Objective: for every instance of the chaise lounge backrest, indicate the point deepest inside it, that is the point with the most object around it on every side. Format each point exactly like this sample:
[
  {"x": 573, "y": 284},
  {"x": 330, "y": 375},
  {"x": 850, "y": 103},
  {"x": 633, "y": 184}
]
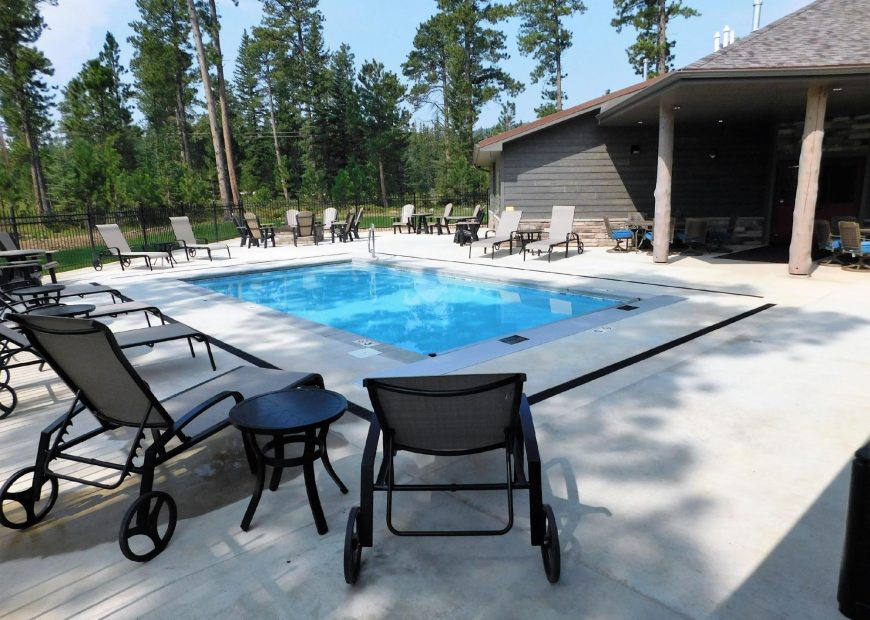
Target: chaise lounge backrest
[
  {"x": 114, "y": 238},
  {"x": 447, "y": 414},
  {"x": 84, "y": 353}
]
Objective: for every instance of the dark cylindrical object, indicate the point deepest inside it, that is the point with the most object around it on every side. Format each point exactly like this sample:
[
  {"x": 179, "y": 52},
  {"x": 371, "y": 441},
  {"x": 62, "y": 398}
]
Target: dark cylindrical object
[{"x": 854, "y": 592}]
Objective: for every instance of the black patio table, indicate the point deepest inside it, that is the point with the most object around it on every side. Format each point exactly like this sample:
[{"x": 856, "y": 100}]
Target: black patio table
[{"x": 300, "y": 415}]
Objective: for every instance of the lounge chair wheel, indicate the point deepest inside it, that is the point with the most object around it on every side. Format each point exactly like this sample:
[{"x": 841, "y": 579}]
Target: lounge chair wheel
[
  {"x": 352, "y": 547},
  {"x": 550, "y": 547},
  {"x": 143, "y": 520},
  {"x": 8, "y": 397},
  {"x": 19, "y": 490},
  {"x": 125, "y": 262},
  {"x": 191, "y": 252}
]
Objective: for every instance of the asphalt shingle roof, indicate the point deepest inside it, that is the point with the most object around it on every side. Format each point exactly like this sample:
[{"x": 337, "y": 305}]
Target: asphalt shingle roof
[{"x": 822, "y": 34}]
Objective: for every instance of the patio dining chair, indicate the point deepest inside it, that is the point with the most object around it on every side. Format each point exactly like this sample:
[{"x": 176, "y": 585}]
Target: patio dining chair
[
  {"x": 110, "y": 389},
  {"x": 404, "y": 219},
  {"x": 189, "y": 243},
  {"x": 443, "y": 221},
  {"x": 307, "y": 227},
  {"x": 854, "y": 245},
  {"x": 827, "y": 242},
  {"x": 694, "y": 236},
  {"x": 329, "y": 215},
  {"x": 257, "y": 233},
  {"x": 450, "y": 416},
  {"x": 561, "y": 233},
  {"x": 356, "y": 222},
  {"x": 504, "y": 233},
  {"x": 343, "y": 230},
  {"x": 620, "y": 235},
  {"x": 118, "y": 246}
]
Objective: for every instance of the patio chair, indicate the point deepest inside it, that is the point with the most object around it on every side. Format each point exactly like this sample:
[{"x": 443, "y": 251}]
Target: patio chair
[
  {"x": 504, "y": 233},
  {"x": 344, "y": 230},
  {"x": 189, "y": 243},
  {"x": 648, "y": 235},
  {"x": 444, "y": 219},
  {"x": 329, "y": 215},
  {"x": 291, "y": 218},
  {"x": 837, "y": 219},
  {"x": 244, "y": 233},
  {"x": 620, "y": 235},
  {"x": 307, "y": 227},
  {"x": 56, "y": 292},
  {"x": 113, "y": 392},
  {"x": 9, "y": 243},
  {"x": 467, "y": 229},
  {"x": 451, "y": 416},
  {"x": 258, "y": 234},
  {"x": 356, "y": 222},
  {"x": 43, "y": 306},
  {"x": 14, "y": 344},
  {"x": 719, "y": 233},
  {"x": 118, "y": 246},
  {"x": 561, "y": 233},
  {"x": 404, "y": 219},
  {"x": 854, "y": 245},
  {"x": 694, "y": 236},
  {"x": 826, "y": 242}
]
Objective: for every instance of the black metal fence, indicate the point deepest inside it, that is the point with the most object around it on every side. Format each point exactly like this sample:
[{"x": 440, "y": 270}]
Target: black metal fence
[{"x": 71, "y": 237}]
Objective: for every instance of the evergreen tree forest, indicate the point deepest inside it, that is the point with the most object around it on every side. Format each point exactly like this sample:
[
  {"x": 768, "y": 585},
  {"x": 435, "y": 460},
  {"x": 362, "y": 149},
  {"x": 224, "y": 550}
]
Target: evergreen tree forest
[{"x": 291, "y": 119}]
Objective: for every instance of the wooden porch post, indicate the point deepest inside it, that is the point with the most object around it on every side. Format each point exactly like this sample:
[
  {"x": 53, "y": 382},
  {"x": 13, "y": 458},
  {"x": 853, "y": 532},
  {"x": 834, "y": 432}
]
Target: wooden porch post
[
  {"x": 662, "y": 229},
  {"x": 800, "y": 251}
]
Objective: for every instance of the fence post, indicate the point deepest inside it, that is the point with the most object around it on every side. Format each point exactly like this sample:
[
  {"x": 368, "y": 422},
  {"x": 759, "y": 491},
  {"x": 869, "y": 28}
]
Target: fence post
[
  {"x": 215, "y": 219},
  {"x": 89, "y": 214},
  {"x": 140, "y": 215},
  {"x": 14, "y": 224}
]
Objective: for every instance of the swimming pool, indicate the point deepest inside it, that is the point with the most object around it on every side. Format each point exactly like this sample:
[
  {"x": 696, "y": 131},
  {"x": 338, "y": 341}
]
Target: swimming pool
[{"x": 424, "y": 312}]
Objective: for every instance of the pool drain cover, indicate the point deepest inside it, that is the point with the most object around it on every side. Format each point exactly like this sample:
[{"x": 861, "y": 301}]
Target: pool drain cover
[{"x": 515, "y": 339}]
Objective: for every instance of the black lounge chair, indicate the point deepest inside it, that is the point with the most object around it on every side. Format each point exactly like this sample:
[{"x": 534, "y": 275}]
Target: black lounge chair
[
  {"x": 14, "y": 344},
  {"x": 110, "y": 388},
  {"x": 43, "y": 306},
  {"x": 451, "y": 415}
]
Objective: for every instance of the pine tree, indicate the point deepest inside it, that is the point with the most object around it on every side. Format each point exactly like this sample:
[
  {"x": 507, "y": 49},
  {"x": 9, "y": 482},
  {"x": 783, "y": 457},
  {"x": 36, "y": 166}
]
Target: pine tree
[
  {"x": 386, "y": 123},
  {"x": 543, "y": 35},
  {"x": 162, "y": 67},
  {"x": 216, "y": 137},
  {"x": 24, "y": 97},
  {"x": 650, "y": 18}
]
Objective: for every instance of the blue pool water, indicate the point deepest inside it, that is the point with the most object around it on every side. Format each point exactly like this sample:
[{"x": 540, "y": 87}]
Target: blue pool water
[{"x": 423, "y": 312}]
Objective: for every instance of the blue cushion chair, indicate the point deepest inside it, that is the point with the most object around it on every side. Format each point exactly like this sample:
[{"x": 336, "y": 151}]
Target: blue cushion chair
[
  {"x": 827, "y": 242},
  {"x": 855, "y": 245},
  {"x": 620, "y": 235}
]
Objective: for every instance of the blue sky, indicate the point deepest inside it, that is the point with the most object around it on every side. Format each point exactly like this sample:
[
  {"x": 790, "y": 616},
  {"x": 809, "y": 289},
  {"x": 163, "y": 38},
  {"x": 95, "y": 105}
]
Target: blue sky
[{"x": 384, "y": 30}]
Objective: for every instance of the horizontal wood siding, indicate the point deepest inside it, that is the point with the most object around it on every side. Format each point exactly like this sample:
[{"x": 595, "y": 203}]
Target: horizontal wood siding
[{"x": 577, "y": 163}]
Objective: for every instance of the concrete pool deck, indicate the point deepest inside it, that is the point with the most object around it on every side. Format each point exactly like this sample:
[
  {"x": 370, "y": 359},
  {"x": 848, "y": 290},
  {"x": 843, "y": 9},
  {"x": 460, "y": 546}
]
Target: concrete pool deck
[{"x": 705, "y": 477}]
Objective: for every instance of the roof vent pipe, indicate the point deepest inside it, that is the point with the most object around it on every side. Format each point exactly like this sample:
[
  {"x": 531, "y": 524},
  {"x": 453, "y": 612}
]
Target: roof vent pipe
[
  {"x": 717, "y": 42},
  {"x": 756, "y": 15},
  {"x": 733, "y": 36},
  {"x": 726, "y": 36}
]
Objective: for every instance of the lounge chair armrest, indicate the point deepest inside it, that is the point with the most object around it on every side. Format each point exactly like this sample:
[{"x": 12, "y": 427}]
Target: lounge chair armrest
[
  {"x": 191, "y": 415},
  {"x": 367, "y": 481},
  {"x": 114, "y": 251},
  {"x": 533, "y": 458}
]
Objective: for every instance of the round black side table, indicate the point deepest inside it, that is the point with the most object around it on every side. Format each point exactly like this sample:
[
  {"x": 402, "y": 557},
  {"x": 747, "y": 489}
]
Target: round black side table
[{"x": 300, "y": 415}]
